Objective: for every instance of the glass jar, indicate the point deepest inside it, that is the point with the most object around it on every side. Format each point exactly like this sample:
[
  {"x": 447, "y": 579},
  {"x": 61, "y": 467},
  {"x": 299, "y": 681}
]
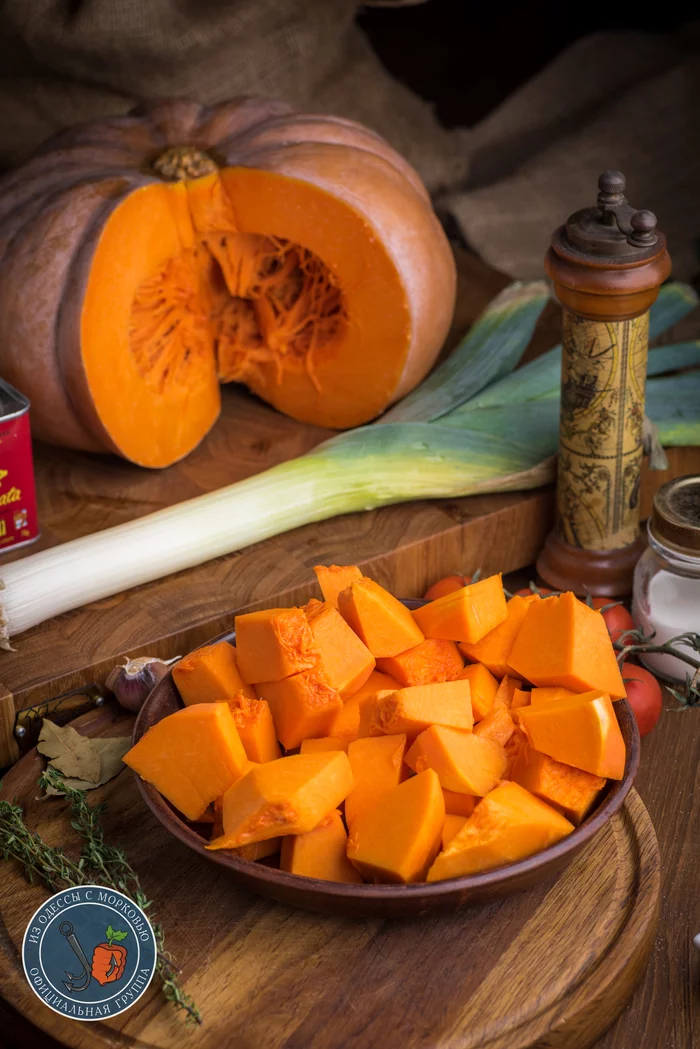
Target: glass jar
[{"x": 666, "y": 597}]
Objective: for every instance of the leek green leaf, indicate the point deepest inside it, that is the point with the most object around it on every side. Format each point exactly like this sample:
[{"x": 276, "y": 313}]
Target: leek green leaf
[
  {"x": 540, "y": 378},
  {"x": 491, "y": 349},
  {"x": 672, "y": 358},
  {"x": 674, "y": 302}
]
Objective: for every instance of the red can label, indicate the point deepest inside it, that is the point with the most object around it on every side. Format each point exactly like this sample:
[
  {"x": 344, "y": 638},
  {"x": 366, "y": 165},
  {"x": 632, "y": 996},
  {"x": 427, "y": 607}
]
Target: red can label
[{"x": 18, "y": 517}]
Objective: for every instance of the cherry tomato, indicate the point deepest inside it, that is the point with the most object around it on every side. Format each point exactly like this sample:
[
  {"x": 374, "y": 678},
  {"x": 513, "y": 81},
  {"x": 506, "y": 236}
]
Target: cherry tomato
[
  {"x": 448, "y": 585},
  {"x": 643, "y": 695},
  {"x": 617, "y": 619},
  {"x": 543, "y": 591}
]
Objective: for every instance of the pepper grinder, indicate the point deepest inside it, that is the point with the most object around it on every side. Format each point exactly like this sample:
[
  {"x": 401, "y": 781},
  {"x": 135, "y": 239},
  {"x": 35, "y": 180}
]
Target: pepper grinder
[{"x": 607, "y": 264}]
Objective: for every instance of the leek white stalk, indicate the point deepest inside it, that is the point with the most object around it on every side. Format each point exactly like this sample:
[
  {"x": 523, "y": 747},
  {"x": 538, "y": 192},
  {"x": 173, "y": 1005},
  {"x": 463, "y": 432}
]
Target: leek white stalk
[{"x": 359, "y": 470}]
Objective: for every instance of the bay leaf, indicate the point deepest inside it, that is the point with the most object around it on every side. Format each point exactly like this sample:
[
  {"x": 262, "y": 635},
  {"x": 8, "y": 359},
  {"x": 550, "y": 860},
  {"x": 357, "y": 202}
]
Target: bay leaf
[
  {"x": 71, "y": 784},
  {"x": 110, "y": 751},
  {"x": 70, "y": 753}
]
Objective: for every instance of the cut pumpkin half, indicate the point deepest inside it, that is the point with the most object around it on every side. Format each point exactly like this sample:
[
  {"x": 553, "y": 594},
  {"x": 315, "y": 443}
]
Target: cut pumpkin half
[{"x": 312, "y": 271}]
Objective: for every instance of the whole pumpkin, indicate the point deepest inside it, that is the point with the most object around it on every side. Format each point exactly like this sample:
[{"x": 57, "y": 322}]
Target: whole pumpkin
[{"x": 146, "y": 258}]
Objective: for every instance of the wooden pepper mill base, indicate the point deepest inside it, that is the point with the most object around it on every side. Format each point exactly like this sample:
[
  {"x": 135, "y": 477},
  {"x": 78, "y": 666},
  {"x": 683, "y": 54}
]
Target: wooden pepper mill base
[{"x": 607, "y": 573}]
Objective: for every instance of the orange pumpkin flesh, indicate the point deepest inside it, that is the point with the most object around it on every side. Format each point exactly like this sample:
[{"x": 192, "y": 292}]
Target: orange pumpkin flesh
[
  {"x": 198, "y": 282},
  {"x": 306, "y": 262},
  {"x": 406, "y": 760}
]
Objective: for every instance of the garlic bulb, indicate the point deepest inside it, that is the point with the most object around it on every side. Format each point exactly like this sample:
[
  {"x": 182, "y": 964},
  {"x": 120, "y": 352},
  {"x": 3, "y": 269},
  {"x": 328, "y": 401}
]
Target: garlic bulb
[{"x": 133, "y": 681}]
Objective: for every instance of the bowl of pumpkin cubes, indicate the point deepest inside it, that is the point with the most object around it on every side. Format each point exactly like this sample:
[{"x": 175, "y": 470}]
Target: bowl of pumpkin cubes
[{"x": 370, "y": 756}]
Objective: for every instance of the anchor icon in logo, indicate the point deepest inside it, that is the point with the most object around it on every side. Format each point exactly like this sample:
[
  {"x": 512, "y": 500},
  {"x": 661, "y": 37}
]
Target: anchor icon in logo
[{"x": 108, "y": 960}]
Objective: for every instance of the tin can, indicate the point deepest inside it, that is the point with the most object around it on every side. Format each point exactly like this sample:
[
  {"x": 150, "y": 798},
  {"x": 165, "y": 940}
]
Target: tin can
[{"x": 18, "y": 517}]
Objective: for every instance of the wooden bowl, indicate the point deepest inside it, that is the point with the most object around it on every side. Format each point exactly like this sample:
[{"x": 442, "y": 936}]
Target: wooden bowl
[{"x": 386, "y": 901}]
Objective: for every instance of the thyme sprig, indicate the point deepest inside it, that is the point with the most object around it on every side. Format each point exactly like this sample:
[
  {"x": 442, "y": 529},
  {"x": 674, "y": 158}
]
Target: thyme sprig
[
  {"x": 41, "y": 862},
  {"x": 98, "y": 860}
]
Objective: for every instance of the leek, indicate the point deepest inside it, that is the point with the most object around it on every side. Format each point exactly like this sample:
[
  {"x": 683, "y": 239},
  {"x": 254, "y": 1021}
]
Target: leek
[
  {"x": 541, "y": 377},
  {"x": 492, "y": 348},
  {"x": 363, "y": 469},
  {"x": 496, "y": 430}
]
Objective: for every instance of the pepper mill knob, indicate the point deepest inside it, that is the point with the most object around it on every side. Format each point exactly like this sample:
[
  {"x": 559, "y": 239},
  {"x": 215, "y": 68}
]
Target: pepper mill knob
[
  {"x": 643, "y": 225},
  {"x": 611, "y": 189}
]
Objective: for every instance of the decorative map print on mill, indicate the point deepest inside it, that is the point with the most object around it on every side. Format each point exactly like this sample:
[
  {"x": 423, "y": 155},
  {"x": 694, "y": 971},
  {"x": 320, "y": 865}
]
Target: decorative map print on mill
[{"x": 601, "y": 428}]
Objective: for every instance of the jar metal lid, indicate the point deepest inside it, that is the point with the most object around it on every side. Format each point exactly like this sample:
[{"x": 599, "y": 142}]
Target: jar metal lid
[{"x": 675, "y": 517}]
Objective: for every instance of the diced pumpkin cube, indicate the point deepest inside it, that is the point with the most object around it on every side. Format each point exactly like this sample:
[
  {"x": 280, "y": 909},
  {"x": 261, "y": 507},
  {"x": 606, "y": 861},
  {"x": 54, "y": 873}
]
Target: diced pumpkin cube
[
  {"x": 581, "y": 731},
  {"x": 288, "y": 796},
  {"x": 520, "y": 699},
  {"x": 378, "y": 618},
  {"x": 303, "y": 706},
  {"x": 346, "y": 661},
  {"x": 498, "y": 726},
  {"x": 467, "y": 614},
  {"x": 317, "y": 746},
  {"x": 506, "y": 826},
  {"x": 494, "y": 648},
  {"x": 253, "y": 719},
  {"x": 207, "y": 816},
  {"x": 320, "y": 853},
  {"x": 273, "y": 644},
  {"x": 370, "y": 724},
  {"x": 397, "y": 839},
  {"x": 259, "y": 850},
  {"x": 570, "y": 791},
  {"x": 483, "y": 688},
  {"x": 376, "y": 683},
  {"x": 506, "y": 691},
  {"x": 451, "y": 826},
  {"x": 463, "y": 762},
  {"x": 377, "y": 765},
  {"x": 432, "y": 660},
  {"x": 346, "y": 722},
  {"x": 412, "y": 710},
  {"x": 512, "y": 748},
  {"x": 538, "y": 696},
  {"x": 334, "y": 578},
  {"x": 191, "y": 756},
  {"x": 210, "y": 675},
  {"x": 564, "y": 642},
  {"x": 457, "y": 804}
]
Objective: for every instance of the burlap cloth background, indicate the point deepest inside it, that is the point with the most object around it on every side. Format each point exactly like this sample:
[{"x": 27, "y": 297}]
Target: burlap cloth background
[{"x": 628, "y": 100}]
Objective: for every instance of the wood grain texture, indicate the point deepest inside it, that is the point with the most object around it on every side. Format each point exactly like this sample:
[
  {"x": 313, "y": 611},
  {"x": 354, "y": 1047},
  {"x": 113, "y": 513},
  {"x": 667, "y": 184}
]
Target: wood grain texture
[
  {"x": 9, "y": 751},
  {"x": 548, "y": 968},
  {"x": 665, "y": 1011}
]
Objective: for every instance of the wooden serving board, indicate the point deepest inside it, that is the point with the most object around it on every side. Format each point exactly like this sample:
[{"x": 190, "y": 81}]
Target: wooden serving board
[{"x": 551, "y": 967}]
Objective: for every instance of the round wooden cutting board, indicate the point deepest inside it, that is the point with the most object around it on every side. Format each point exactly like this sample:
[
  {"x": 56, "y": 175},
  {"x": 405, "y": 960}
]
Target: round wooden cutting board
[{"x": 550, "y": 968}]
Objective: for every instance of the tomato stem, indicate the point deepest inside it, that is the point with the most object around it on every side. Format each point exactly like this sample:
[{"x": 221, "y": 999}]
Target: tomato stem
[{"x": 643, "y": 644}]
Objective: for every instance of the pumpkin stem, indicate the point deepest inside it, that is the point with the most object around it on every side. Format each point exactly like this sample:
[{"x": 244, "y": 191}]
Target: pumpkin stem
[{"x": 183, "y": 162}]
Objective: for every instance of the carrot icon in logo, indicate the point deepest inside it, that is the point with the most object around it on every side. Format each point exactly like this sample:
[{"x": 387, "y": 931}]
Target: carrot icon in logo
[{"x": 109, "y": 959}]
